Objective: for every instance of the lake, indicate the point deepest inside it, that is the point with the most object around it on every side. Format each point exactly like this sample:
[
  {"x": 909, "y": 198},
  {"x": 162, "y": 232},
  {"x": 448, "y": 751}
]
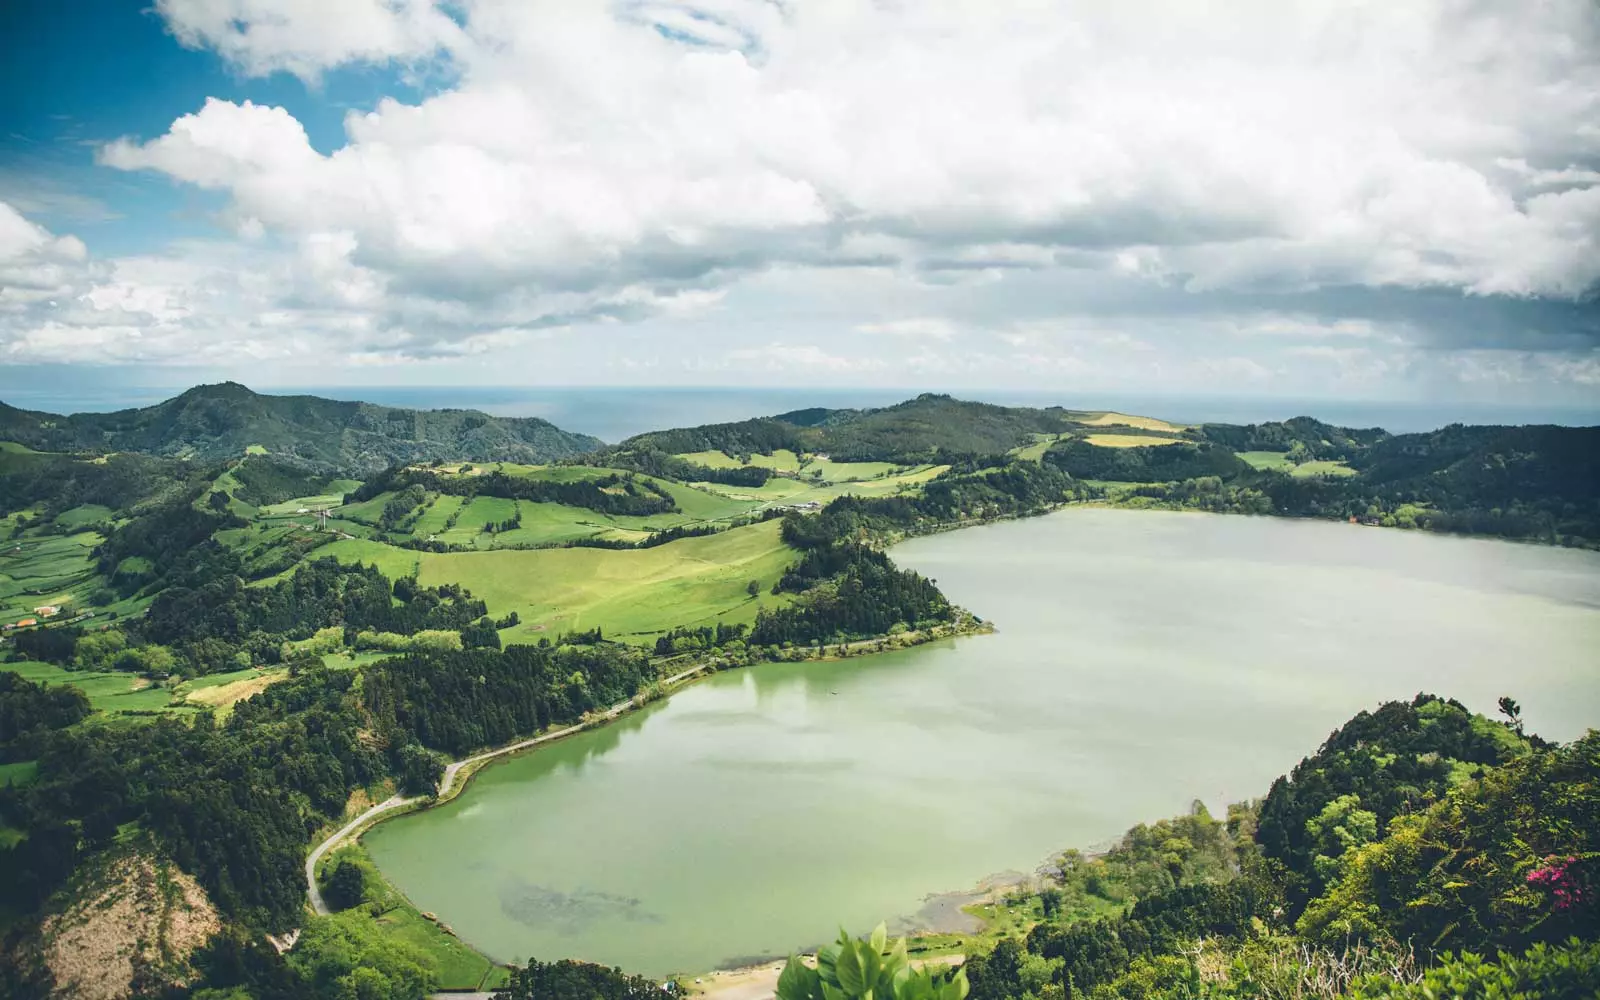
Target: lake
[{"x": 1143, "y": 660}]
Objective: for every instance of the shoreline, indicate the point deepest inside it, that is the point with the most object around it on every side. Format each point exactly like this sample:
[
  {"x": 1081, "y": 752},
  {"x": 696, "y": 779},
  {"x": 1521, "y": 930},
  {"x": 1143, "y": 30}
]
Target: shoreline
[{"x": 458, "y": 774}]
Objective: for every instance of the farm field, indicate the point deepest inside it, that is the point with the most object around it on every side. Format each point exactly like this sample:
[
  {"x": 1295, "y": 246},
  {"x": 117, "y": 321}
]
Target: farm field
[
  {"x": 333, "y": 498},
  {"x": 794, "y": 491},
  {"x": 434, "y": 518},
  {"x": 1035, "y": 451},
  {"x": 111, "y": 692},
  {"x": 45, "y": 569},
  {"x": 785, "y": 461},
  {"x": 552, "y": 522},
  {"x": 459, "y": 967},
  {"x": 1128, "y": 440},
  {"x": 1307, "y": 470},
  {"x": 1278, "y": 461},
  {"x": 1110, "y": 418},
  {"x": 630, "y": 593},
  {"x": 1267, "y": 460}
]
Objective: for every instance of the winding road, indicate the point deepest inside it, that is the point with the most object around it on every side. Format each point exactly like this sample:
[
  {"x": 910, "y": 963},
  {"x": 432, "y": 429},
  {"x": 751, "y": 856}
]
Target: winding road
[{"x": 392, "y": 803}]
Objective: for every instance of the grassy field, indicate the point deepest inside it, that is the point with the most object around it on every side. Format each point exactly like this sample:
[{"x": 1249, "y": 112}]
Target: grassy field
[
  {"x": 1278, "y": 461},
  {"x": 332, "y": 498},
  {"x": 89, "y": 513},
  {"x": 543, "y": 523},
  {"x": 222, "y": 691},
  {"x": 434, "y": 518},
  {"x": 110, "y": 692},
  {"x": 45, "y": 569},
  {"x": 459, "y": 967},
  {"x": 18, "y": 773},
  {"x": 631, "y": 593},
  {"x": 1307, "y": 470},
  {"x": 793, "y": 491},
  {"x": 1035, "y": 451},
  {"x": 351, "y": 660},
  {"x": 1127, "y": 440},
  {"x": 1274, "y": 460},
  {"x": 392, "y": 561},
  {"x": 786, "y": 461},
  {"x": 1110, "y": 418}
]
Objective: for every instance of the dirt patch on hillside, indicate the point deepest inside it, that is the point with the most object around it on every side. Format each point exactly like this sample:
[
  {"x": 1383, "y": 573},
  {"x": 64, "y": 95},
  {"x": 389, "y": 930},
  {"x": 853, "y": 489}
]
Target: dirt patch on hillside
[
  {"x": 133, "y": 917},
  {"x": 222, "y": 696}
]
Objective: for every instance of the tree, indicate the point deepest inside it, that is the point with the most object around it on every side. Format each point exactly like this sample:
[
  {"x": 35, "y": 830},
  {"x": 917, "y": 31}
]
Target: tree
[
  {"x": 569, "y": 980},
  {"x": 753, "y": 588},
  {"x": 1513, "y": 713},
  {"x": 346, "y": 885},
  {"x": 867, "y": 970}
]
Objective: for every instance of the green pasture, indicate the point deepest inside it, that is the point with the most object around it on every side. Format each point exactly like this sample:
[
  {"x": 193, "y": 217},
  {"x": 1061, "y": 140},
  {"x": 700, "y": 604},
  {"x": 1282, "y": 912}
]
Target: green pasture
[
  {"x": 457, "y": 965},
  {"x": 1276, "y": 461},
  {"x": 782, "y": 460},
  {"x": 109, "y": 691},
  {"x": 350, "y": 660},
  {"x": 797, "y": 491},
  {"x": 433, "y": 518},
  {"x": 630, "y": 593},
  {"x": 333, "y": 498},
  {"x": 846, "y": 472},
  {"x": 712, "y": 459},
  {"x": 89, "y": 513},
  {"x": 543, "y": 523},
  {"x": 392, "y": 561},
  {"x": 18, "y": 773},
  {"x": 367, "y": 510},
  {"x": 1035, "y": 451},
  {"x": 45, "y": 569},
  {"x": 1308, "y": 470}
]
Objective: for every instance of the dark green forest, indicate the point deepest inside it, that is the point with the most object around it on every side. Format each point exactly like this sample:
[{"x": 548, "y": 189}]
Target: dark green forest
[{"x": 213, "y": 422}]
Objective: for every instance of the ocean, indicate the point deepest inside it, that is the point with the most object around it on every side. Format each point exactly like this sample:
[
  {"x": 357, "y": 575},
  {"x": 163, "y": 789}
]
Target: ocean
[{"x": 612, "y": 413}]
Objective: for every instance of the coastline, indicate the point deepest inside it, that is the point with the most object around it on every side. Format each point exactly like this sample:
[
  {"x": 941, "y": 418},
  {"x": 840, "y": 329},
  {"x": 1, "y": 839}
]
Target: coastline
[{"x": 458, "y": 774}]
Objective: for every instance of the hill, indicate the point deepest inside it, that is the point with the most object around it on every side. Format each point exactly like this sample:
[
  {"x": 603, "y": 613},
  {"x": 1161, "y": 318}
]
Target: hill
[
  {"x": 226, "y": 420},
  {"x": 916, "y": 430}
]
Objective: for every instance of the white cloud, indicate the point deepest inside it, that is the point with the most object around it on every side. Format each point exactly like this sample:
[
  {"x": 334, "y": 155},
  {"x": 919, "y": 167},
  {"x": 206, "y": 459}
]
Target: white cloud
[
  {"x": 920, "y": 328},
  {"x": 36, "y": 267},
  {"x": 1130, "y": 194},
  {"x": 305, "y": 37},
  {"x": 582, "y": 148}
]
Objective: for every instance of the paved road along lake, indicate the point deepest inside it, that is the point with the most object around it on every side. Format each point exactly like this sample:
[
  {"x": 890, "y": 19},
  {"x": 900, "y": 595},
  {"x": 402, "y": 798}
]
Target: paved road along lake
[{"x": 1143, "y": 660}]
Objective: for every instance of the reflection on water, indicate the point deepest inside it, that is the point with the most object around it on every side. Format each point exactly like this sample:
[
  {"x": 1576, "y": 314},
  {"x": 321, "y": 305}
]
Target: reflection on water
[
  {"x": 567, "y": 913},
  {"x": 1142, "y": 660}
]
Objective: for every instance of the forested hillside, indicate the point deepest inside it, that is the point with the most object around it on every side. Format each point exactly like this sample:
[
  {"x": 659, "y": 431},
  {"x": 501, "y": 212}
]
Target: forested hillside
[
  {"x": 212, "y": 422},
  {"x": 1422, "y": 853},
  {"x": 916, "y": 430}
]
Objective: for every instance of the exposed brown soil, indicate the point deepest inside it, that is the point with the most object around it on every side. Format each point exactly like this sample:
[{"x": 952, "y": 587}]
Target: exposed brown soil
[{"x": 135, "y": 916}]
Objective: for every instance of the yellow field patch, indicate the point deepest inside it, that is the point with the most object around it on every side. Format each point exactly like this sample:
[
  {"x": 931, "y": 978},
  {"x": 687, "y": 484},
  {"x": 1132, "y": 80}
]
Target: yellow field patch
[
  {"x": 1127, "y": 440},
  {"x": 1110, "y": 419},
  {"x": 224, "y": 696}
]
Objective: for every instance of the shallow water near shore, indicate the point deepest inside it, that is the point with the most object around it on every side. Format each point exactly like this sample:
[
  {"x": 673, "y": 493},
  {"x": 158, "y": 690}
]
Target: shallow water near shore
[{"x": 1142, "y": 660}]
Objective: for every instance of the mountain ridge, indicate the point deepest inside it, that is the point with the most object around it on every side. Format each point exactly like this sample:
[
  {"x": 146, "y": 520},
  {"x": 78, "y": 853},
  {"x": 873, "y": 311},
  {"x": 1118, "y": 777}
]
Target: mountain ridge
[{"x": 225, "y": 419}]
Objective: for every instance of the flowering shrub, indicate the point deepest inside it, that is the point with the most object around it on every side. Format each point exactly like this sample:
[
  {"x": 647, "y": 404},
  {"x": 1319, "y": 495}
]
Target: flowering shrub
[{"x": 1556, "y": 876}]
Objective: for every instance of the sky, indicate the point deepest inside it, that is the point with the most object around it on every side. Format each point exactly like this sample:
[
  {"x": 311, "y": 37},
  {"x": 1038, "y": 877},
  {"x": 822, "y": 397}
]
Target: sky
[{"x": 1278, "y": 198}]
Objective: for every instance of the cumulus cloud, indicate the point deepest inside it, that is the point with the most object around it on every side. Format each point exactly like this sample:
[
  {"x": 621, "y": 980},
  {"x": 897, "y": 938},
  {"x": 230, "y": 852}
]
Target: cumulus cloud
[
  {"x": 1117, "y": 191},
  {"x": 306, "y": 37},
  {"x": 1287, "y": 146},
  {"x": 36, "y": 266}
]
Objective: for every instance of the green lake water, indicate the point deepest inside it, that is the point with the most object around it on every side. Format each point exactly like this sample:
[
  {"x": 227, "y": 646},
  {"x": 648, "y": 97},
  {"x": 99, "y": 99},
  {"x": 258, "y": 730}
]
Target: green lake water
[{"x": 1143, "y": 660}]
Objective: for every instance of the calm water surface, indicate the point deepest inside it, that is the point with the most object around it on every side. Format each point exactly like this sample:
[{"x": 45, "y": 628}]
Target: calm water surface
[{"x": 1143, "y": 660}]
